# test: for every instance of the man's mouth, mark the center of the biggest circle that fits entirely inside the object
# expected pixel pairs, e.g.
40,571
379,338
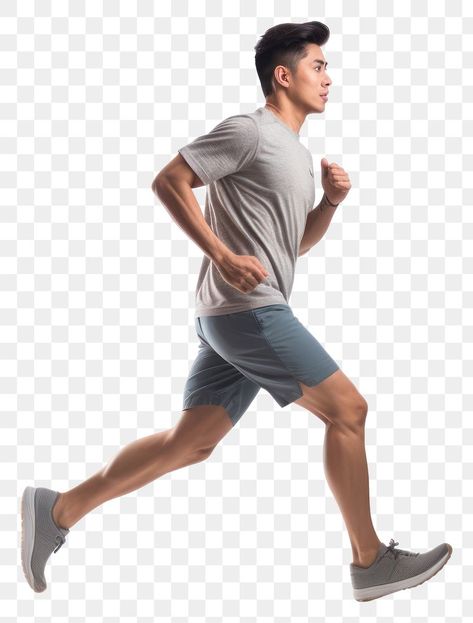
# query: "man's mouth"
324,97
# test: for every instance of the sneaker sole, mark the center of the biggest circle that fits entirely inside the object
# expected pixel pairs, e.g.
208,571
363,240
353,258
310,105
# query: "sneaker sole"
27,535
373,592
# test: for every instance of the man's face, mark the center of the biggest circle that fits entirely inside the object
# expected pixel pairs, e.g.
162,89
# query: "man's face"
310,81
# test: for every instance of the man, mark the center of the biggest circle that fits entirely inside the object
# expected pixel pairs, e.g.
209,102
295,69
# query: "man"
259,217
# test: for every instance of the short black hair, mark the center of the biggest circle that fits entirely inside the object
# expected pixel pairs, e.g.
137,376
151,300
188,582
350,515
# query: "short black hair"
285,44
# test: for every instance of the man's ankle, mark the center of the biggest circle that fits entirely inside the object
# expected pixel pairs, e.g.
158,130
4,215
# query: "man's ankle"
366,558
58,518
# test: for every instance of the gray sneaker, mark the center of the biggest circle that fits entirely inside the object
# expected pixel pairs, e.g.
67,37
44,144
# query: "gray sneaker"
396,569
40,535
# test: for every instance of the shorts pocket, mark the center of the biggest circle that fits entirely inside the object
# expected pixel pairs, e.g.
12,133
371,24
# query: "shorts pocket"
271,313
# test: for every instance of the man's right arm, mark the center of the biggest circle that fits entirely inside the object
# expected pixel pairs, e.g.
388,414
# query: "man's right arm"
173,186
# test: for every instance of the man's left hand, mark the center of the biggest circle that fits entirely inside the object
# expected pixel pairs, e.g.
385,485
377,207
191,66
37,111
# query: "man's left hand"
335,181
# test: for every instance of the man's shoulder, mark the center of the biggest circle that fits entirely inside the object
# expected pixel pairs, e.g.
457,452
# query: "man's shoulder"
243,119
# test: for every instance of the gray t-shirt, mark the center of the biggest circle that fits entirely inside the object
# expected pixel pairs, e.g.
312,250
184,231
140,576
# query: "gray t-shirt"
260,189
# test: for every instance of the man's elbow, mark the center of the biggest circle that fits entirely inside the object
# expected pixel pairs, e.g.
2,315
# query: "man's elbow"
166,180
157,183
176,172
161,183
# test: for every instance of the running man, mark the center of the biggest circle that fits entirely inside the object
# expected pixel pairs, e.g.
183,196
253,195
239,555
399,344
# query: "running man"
259,217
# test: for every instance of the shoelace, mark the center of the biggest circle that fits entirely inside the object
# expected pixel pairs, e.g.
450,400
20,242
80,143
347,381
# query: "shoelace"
398,552
61,539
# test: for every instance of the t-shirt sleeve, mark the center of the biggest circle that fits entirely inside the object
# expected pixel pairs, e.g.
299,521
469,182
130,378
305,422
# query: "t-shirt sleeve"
227,148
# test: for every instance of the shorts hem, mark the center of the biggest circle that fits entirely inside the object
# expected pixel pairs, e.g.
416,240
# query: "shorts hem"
211,399
328,372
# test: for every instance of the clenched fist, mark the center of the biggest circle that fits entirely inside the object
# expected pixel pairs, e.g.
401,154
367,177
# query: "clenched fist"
243,272
335,181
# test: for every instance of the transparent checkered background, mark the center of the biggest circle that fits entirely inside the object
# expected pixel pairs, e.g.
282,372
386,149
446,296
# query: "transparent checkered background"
97,302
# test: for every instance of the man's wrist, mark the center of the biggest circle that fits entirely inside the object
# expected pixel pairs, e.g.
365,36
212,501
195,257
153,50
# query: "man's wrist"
325,198
220,254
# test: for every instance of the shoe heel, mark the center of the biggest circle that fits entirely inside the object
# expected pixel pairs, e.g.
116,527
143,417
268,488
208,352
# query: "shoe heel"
27,533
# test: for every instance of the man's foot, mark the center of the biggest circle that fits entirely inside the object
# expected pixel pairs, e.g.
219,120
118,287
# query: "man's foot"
396,569
40,535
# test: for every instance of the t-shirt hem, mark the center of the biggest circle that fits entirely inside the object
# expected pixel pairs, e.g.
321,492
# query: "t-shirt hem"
233,309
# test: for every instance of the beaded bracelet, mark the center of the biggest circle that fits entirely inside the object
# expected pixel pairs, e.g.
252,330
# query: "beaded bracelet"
334,205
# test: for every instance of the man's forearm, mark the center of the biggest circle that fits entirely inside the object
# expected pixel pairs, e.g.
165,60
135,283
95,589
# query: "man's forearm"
317,224
179,200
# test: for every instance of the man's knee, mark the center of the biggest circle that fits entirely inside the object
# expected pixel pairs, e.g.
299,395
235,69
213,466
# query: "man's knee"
189,451
335,400
360,409
199,430
348,412
353,416
202,454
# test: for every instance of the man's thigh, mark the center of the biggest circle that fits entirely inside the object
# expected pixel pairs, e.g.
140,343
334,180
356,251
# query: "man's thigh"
271,348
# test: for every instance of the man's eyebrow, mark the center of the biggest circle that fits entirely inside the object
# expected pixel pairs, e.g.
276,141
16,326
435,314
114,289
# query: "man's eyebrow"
319,60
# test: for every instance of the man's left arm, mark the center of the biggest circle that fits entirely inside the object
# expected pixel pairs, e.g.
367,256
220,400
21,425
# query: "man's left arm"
336,185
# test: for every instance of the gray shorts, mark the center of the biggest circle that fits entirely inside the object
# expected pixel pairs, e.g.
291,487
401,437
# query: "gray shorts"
240,353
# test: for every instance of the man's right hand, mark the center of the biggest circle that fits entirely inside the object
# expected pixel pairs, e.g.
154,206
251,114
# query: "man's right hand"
243,272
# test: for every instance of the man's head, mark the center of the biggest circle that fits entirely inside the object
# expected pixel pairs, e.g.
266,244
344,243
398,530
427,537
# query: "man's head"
286,62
